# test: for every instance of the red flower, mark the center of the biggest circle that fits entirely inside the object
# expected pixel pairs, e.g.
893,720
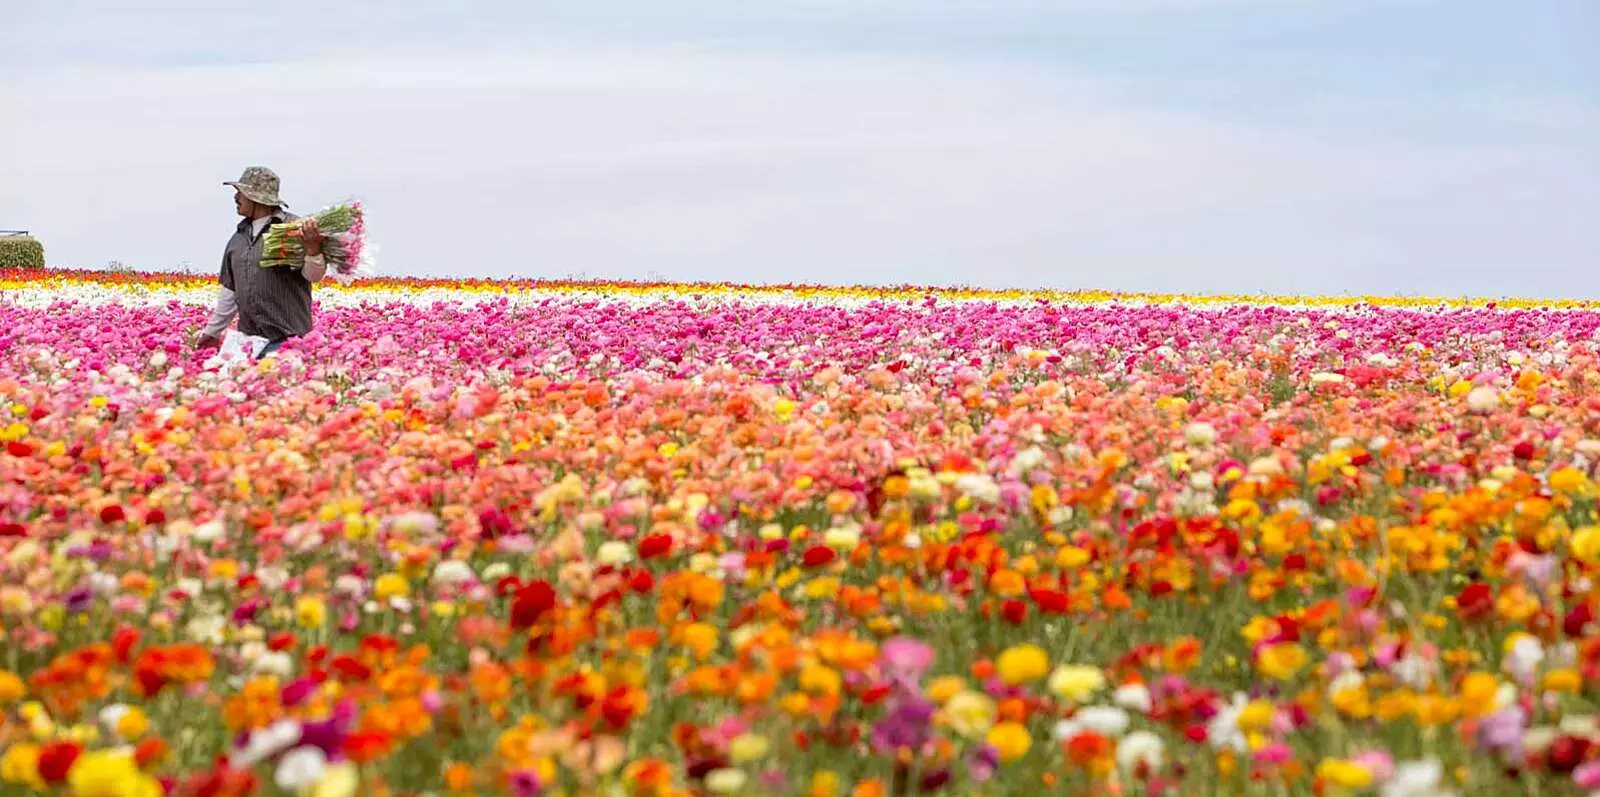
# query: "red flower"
123,641
874,694
149,751
1475,601
19,449
55,760
112,514
642,581
366,746
1577,621
1522,450
350,669
13,530
1566,753
655,545
532,602
818,555
1014,611
618,707
1051,601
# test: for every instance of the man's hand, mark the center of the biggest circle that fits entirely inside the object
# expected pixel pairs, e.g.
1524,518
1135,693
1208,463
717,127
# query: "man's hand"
206,341
310,237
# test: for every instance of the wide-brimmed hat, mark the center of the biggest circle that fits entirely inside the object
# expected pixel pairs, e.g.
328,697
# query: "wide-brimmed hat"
259,185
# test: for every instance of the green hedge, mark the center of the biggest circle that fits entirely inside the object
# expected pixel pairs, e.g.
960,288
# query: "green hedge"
21,251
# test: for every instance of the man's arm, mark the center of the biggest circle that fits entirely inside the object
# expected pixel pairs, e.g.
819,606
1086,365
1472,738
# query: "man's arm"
315,269
227,307
311,238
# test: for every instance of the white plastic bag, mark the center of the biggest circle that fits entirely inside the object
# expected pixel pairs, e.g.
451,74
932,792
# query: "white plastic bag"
239,348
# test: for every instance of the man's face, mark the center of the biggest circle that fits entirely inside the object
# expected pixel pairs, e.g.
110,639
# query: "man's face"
243,205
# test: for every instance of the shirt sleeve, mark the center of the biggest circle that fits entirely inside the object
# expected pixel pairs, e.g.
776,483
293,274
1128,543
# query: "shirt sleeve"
222,316
315,268
226,275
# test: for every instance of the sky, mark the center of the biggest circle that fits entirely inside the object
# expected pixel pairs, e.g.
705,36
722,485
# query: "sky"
1281,146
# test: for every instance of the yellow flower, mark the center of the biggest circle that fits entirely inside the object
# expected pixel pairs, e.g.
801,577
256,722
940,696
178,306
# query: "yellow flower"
12,688
701,638
1011,740
1565,679
1585,544
391,585
1352,702
1071,557
20,765
970,713
820,680
1346,774
339,780
1478,692
132,725
1076,682
941,689
109,774
824,784
748,747
1282,661
310,612
1021,664
1568,480
1437,710
1395,705
725,780
1256,716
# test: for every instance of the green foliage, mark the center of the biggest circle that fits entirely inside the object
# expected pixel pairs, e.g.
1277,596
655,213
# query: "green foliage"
21,251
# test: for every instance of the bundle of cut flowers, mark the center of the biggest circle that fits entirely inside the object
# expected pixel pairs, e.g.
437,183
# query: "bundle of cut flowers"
344,245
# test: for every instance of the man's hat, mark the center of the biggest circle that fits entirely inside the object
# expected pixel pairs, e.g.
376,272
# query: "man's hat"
259,185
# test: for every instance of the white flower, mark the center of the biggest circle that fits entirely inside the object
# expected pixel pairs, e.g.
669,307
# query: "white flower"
1483,399
301,768
1414,779
104,583
1266,466
1133,696
207,532
496,571
978,487
265,743
1104,720
1349,679
111,715
206,629
1524,657
274,662
1029,459
452,571
1200,434
1140,747
1414,671
1223,732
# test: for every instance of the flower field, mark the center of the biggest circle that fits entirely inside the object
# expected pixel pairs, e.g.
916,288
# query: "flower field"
634,539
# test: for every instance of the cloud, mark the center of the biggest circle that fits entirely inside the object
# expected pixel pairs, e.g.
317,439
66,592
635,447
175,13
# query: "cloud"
696,164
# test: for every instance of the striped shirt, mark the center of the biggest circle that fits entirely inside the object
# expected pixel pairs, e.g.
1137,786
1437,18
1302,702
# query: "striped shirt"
272,303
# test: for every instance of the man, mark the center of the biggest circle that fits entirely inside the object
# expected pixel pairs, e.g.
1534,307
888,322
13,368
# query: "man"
271,303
